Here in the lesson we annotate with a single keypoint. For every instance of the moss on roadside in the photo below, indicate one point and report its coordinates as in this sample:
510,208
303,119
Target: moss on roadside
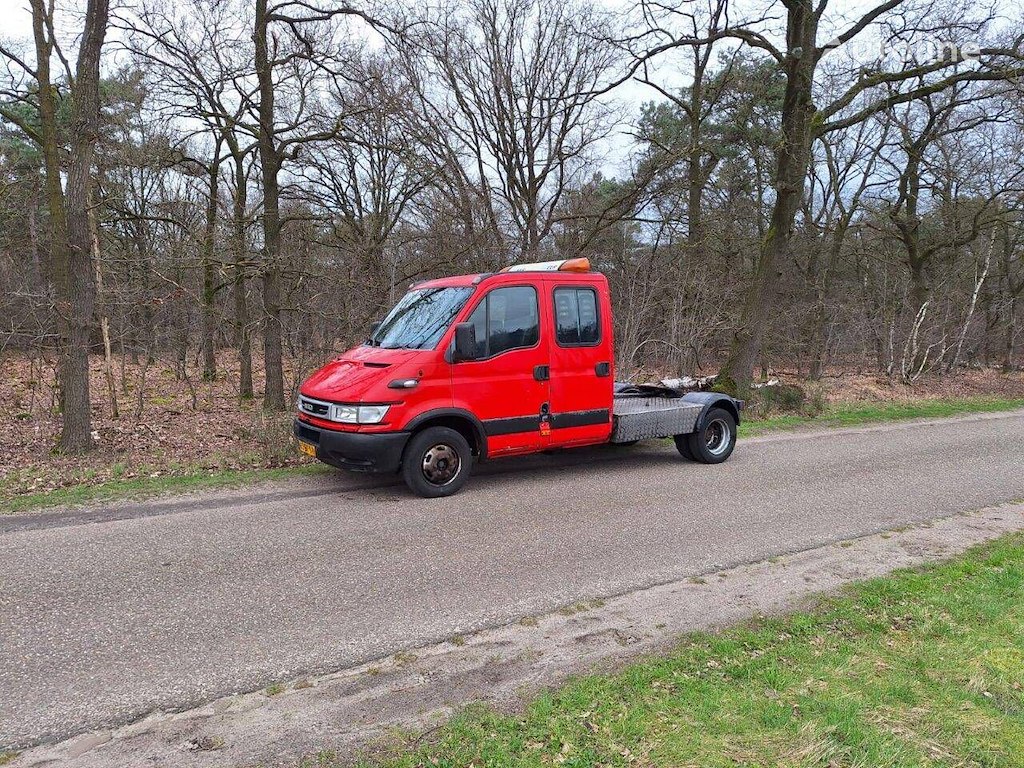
727,385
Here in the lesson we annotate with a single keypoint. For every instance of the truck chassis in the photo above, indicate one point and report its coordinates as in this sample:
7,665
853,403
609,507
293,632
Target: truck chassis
644,412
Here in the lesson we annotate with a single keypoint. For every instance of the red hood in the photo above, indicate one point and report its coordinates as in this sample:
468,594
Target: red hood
347,378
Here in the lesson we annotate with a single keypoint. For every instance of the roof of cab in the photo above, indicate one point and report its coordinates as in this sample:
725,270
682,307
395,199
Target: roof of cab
518,276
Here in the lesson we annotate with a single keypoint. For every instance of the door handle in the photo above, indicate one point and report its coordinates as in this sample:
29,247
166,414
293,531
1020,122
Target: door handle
603,369
541,372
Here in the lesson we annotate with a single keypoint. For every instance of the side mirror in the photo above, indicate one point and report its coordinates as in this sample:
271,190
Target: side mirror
465,343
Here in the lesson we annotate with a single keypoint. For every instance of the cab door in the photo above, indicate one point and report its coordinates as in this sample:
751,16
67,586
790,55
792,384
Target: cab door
581,363
506,387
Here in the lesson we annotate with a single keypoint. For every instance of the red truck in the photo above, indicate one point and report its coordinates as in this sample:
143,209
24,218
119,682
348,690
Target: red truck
476,367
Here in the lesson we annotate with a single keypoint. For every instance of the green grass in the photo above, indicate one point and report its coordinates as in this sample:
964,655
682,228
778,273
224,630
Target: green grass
923,668
860,413
147,487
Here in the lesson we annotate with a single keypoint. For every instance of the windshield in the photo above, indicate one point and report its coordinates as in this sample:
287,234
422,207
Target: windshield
420,319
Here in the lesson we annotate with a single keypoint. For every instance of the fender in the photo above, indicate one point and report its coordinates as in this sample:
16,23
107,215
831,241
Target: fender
713,400
478,426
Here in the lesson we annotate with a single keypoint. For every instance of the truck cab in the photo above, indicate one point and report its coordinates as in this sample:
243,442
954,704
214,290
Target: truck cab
469,368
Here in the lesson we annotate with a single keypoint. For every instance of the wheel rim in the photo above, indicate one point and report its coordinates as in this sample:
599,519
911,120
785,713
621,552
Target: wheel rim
717,437
441,464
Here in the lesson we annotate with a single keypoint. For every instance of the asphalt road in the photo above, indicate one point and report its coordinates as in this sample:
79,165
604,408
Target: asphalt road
109,614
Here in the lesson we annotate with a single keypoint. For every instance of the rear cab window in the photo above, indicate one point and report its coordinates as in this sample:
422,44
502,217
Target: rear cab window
577,318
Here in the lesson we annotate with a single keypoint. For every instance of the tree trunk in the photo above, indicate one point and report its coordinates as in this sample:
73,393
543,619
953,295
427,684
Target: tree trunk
918,285
241,304
33,239
209,272
71,246
273,398
819,337
1011,333
694,199
792,160
270,162
1014,290
823,275
101,311
51,162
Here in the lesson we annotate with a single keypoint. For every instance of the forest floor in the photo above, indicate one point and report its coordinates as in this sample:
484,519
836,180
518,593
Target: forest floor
178,432
173,430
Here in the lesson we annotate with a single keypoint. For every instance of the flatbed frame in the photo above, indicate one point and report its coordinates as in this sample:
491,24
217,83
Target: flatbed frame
643,412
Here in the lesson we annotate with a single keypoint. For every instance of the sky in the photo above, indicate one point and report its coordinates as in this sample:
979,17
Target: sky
671,71
16,27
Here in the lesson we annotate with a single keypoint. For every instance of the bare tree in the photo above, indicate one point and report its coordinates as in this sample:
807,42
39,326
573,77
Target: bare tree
699,143
508,106
365,181
287,64
200,63
840,178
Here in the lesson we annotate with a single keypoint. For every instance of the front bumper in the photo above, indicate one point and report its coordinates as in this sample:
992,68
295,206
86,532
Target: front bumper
355,451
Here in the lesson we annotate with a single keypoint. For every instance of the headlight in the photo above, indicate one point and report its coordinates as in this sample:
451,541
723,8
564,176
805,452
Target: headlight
346,414
358,414
372,414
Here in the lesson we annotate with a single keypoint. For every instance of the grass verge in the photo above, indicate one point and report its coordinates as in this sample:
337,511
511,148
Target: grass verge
861,413
921,668
147,487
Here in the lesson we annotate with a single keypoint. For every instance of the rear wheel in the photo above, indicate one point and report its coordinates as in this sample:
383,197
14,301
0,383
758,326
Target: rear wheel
436,462
714,442
683,446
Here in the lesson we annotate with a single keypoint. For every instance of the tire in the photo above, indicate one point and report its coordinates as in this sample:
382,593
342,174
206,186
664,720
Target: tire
714,442
683,446
428,460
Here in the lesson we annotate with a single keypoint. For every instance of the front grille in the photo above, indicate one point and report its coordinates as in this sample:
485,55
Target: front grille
314,407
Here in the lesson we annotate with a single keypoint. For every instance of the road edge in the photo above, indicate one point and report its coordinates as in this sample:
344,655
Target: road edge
282,489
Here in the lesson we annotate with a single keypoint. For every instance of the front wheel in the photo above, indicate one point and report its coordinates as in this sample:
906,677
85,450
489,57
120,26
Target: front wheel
714,442
436,462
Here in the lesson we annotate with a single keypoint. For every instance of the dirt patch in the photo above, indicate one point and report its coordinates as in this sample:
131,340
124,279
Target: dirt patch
171,423
355,709
840,386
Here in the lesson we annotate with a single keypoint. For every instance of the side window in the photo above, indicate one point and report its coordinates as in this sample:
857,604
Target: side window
576,318
506,318
479,321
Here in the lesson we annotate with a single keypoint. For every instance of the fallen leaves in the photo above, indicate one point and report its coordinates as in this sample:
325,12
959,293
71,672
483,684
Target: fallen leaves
169,438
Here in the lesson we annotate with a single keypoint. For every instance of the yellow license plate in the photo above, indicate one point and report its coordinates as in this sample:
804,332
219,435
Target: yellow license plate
307,448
